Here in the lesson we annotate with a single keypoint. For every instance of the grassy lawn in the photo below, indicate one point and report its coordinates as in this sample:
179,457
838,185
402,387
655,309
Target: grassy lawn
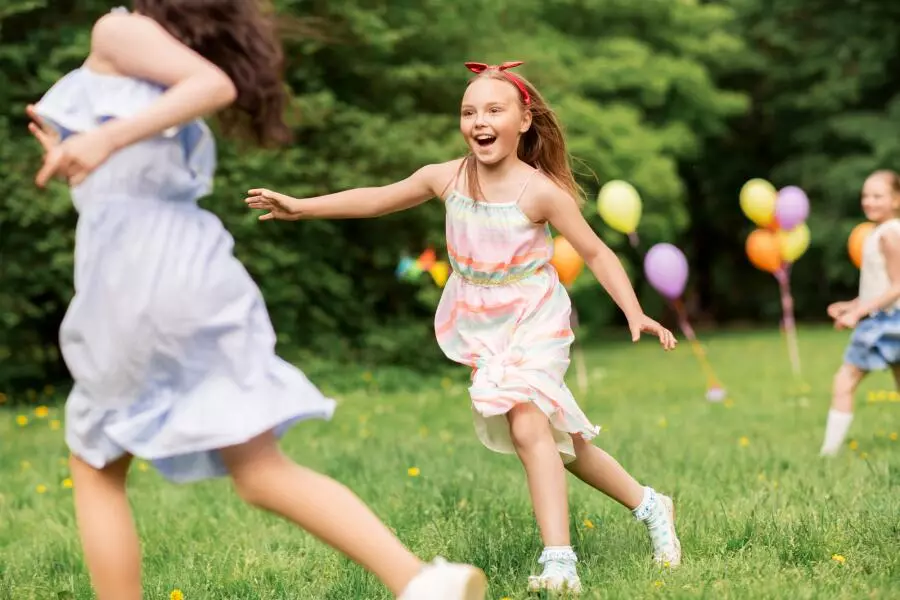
760,514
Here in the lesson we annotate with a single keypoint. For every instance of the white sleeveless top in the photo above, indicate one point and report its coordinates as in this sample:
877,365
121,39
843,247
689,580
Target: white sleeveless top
873,278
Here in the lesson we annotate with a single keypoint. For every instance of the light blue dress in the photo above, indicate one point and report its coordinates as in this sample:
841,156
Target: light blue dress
167,337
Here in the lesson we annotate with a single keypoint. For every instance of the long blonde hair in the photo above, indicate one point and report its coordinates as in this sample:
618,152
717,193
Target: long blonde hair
543,146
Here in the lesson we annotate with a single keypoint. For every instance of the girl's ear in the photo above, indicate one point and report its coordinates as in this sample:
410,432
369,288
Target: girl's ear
526,121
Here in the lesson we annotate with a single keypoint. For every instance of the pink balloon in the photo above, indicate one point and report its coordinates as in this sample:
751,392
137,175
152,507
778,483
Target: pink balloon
667,270
791,207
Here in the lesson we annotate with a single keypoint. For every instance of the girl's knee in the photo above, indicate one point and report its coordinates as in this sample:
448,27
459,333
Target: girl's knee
253,467
847,378
529,427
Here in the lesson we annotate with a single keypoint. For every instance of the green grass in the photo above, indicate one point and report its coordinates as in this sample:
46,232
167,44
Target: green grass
760,520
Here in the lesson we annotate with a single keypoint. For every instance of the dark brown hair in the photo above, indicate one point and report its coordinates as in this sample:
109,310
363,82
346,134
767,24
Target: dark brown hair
239,37
543,146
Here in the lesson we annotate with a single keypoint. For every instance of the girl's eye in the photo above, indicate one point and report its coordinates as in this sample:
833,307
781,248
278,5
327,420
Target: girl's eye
495,109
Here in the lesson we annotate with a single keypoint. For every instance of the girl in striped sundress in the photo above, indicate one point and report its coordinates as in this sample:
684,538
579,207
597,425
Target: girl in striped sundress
504,312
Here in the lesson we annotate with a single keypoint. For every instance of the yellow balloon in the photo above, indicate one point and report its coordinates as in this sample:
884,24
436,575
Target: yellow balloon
758,201
440,271
620,206
793,243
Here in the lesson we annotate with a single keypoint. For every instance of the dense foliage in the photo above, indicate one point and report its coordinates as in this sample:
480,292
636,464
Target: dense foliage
685,99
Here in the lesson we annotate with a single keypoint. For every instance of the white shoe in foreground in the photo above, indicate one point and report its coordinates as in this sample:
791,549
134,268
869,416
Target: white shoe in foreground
560,572
663,538
441,580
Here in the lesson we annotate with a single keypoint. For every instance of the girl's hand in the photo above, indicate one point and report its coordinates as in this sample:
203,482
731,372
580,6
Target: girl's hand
836,309
280,206
75,158
847,320
645,324
47,136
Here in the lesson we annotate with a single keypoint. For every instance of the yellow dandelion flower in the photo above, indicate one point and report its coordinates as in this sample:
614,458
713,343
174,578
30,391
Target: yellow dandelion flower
55,424
854,444
659,584
744,441
413,471
41,488
21,420
667,564
25,465
176,595
893,436
41,412
838,558
663,423
67,483
142,466
588,523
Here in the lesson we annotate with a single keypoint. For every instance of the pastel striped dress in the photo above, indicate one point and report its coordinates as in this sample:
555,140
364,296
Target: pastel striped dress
504,313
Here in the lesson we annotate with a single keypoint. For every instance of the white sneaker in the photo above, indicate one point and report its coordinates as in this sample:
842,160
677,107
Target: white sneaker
441,580
663,538
559,575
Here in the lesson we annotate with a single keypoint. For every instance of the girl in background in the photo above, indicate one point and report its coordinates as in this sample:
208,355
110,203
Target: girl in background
874,314
503,311
167,337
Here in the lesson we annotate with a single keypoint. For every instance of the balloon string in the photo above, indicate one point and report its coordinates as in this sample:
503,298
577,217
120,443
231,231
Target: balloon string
699,352
633,239
787,308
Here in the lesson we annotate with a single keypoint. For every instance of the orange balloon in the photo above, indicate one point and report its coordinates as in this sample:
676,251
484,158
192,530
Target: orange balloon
857,239
567,262
763,250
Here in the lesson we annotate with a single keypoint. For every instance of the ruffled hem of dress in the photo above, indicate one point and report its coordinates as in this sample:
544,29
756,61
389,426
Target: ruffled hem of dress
160,431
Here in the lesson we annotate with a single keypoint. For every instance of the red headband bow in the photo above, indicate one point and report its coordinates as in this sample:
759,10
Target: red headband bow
476,67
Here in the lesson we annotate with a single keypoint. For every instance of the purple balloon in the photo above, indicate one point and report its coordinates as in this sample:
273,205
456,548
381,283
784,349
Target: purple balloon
667,270
791,207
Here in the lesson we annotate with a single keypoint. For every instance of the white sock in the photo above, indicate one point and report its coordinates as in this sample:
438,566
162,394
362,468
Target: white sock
644,510
835,431
558,553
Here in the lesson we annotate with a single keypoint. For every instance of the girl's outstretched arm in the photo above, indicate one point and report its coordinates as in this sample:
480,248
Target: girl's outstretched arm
555,205
136,46
359,203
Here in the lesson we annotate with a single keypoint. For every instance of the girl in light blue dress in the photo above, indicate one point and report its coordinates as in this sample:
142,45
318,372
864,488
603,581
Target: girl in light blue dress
167,337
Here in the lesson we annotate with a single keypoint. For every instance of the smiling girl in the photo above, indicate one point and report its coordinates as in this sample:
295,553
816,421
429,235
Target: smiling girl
504,312
874,314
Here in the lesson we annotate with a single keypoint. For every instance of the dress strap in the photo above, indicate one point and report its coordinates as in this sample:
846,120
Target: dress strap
525,185
454,183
